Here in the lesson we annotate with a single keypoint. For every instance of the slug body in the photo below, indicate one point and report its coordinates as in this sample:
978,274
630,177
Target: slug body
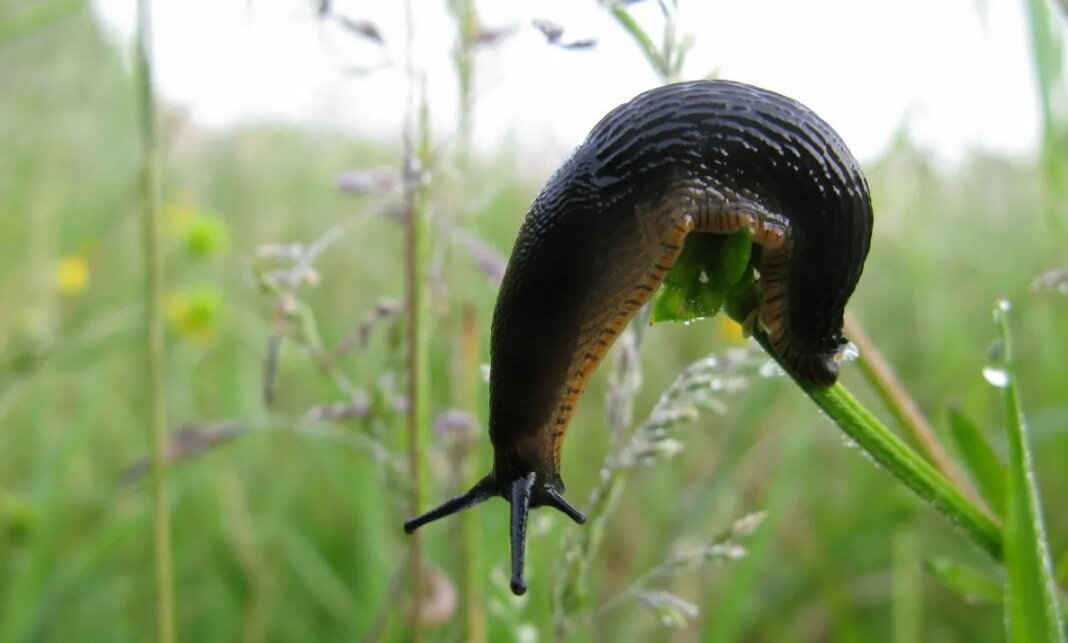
706,157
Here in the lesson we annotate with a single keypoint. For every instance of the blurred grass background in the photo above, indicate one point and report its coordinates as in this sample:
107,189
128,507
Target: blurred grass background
294,535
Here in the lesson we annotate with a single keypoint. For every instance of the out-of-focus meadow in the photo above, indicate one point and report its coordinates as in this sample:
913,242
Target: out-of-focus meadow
286,519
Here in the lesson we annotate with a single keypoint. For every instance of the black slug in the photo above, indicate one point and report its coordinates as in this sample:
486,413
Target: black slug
705,156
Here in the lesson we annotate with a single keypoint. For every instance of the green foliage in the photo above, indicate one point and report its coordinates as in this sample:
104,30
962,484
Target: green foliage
711,270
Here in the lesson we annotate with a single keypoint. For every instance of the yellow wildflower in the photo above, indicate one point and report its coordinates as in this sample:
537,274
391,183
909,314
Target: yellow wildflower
195,314
72,274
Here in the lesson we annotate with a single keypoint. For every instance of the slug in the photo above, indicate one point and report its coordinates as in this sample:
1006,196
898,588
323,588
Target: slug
698,157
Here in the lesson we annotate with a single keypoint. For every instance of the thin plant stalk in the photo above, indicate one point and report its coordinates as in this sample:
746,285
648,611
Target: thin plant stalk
466,17
470,577
469,376
881,378
154,336
891,453
416,238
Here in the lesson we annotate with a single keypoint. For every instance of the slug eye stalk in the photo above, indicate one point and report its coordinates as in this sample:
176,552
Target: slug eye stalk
476,495
523,494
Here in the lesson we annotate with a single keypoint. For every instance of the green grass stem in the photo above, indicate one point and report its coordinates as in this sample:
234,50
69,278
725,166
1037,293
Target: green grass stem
890,452
416,250
1032,610
155,363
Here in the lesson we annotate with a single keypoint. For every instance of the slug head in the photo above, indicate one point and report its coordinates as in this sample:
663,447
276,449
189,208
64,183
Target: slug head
523,493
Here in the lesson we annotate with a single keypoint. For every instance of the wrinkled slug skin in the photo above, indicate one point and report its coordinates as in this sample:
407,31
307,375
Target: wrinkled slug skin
706,156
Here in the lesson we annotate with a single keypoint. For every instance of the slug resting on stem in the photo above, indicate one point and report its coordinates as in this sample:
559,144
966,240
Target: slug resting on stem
699,157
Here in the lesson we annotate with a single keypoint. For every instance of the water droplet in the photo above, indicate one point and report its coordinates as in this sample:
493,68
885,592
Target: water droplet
770,369
848,353
849,443
995,371
997,376
1003,304
702,277
485,370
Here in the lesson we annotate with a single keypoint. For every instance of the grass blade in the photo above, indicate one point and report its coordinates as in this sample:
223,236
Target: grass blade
983,464
972,585
1032,612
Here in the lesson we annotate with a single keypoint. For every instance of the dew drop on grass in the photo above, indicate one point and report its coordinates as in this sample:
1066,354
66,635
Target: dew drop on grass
995,371
997,376
849,443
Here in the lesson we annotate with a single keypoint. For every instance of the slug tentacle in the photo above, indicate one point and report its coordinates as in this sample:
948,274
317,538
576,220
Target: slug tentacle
699,157
476,495
520,498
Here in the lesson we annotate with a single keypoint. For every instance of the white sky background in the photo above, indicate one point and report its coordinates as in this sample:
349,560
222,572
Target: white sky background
957,72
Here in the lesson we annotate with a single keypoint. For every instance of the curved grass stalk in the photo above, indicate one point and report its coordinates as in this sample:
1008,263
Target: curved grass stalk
891,453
